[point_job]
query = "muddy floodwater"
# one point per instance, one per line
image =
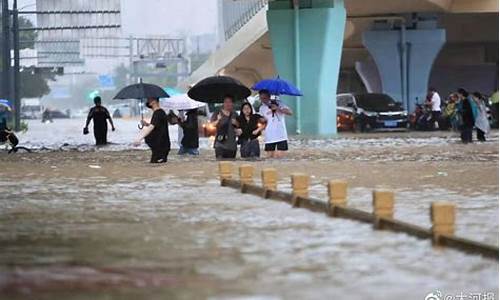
(79, 222)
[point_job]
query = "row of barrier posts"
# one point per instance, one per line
(442, 214)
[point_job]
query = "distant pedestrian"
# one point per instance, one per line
(100, 115)
(190, 139)
(47, 116)
(251, 126)
(155, 133)
(494, 108)
(275, 135)
(466, 109)
(226, 123)
(481, 121)
(450, 112)
(434, 101)
(117, 114)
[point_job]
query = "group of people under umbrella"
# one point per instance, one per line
(231, 129)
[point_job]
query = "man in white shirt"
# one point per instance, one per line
(275, 134)
(434, 100)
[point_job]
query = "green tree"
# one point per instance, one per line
(32, 85)
(26, 38)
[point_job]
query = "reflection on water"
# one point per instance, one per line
(97, 238)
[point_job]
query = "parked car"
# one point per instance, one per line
(57, 114)
(363, 112)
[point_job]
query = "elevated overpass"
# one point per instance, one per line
(447, 43)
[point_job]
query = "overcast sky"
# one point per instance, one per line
(165, 17)
(143, 17)
(172, 18)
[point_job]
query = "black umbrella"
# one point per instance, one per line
(141, 91)
(213, 89)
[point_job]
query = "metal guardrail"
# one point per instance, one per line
(237, 13)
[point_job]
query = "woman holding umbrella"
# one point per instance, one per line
(226, 123)
(155, 133)
(217, 89)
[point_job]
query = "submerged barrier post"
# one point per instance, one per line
(443, 220)
(337, 194)
(246, 176)
(442, 213)
(383, 206)
(269, 181)
(225, 171)
(300, 186)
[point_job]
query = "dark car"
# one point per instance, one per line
(57, 114)
(365, 112)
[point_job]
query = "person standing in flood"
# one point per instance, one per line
(100, 115)
(190, 139)
(155, 133)
(467, 112)
(275, 134)
(434, 101)
(225, 121)
(251, 128)
(481, 122)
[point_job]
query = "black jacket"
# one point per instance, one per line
(190, 129)
(247, 127)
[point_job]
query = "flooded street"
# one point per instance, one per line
(79, 222)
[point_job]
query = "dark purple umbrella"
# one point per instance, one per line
(214, 89)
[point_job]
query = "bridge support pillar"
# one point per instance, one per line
(404, 60)
(307, 38)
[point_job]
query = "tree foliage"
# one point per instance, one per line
(32, 85)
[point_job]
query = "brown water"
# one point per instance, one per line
(106, 225)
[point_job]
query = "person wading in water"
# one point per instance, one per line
(156, 133)
(227, 130)
(275, 134)
(100, 115)
(251, 126)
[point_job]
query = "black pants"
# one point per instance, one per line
(480, 135)
(159, 155)
(224, 153)
(101, 135)
(466, 134)
(435, 118)
(249, 148)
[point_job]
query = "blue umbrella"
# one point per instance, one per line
(277, 86)
(6, 103)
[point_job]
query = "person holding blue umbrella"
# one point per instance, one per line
(274, 112)
(275, 134)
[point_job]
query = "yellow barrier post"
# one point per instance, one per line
(225, 170)
(246, 175)
(443, 219)
(269, 180)
(300, 186)
(337, 194)
(383, 206)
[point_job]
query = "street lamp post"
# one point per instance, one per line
(6, 63)
(17, 90)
